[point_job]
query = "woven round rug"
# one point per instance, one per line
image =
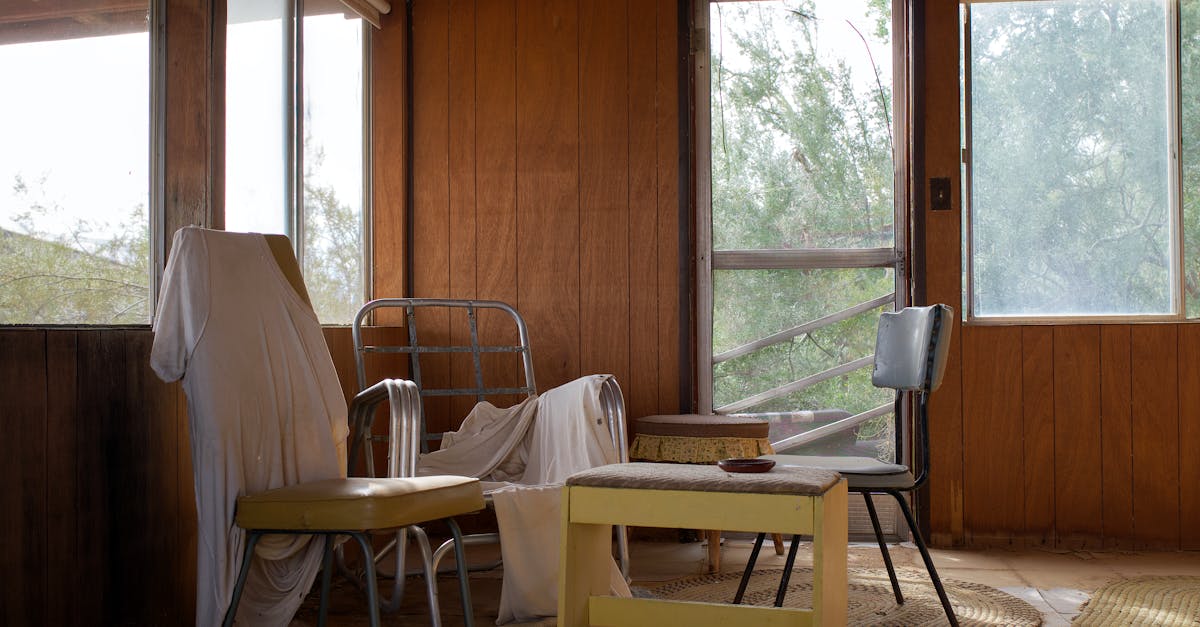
(870, 599)
(1164, 601)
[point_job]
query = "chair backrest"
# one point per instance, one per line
(911, 348)
(910, 356)
(415, 350)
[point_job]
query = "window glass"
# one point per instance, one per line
(74, 168)
(1070, 191)
(333, 164)
(255, 118)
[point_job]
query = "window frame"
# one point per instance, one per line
(1175, 190)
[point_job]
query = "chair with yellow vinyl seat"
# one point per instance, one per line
(356, 506)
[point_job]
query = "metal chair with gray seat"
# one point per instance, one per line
(911, 348)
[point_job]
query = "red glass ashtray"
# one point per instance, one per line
(746, 464)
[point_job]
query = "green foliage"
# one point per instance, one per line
(332, 249)
(75, 275)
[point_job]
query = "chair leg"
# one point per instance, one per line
(623, 550)
(326, 580)
(777, 539)
(364, 541)
(787, 571)
(758, 542)
(460, 565)
(887, 557)
(937, 582)
(431, 591)
(398, 580)
(231, 612)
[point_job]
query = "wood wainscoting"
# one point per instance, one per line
(97, 506)
(1075, 436)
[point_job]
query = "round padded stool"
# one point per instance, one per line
(701, 439)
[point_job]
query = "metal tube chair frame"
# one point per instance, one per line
(900, 479)
(612, 403)
(405, 411)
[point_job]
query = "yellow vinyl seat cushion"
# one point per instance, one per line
(359, 503)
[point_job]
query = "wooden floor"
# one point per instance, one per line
(1055, 582)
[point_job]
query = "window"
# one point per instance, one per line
(75, 164)
(1074, 196)
(294, 141)
(800, 241)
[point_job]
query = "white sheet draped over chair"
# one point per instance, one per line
(264, 406)
(529, 450)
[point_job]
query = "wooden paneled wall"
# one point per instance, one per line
(1072, 436)
(546, 175)
(97, 507)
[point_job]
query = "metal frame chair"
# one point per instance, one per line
(611, 400)
(911, 350)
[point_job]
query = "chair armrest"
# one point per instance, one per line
(404, 425)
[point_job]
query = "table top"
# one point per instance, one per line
(792, 480)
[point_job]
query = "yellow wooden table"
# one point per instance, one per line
(789, 500)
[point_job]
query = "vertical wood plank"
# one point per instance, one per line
(641, 390)
(101, 403)
(341, 351)
(1189, 435)
(1037, 401)
(431, 222)
(1077, 449)
(993, 482)
(389, 145)
(548, 184)
(943, 268)
(23, 463)
(1116, 435)
(63, 577)
(149, 490)
(496, 176)
(190, 128)
(670, 275)
(1154, 362)
(604, 188)
(463, 242)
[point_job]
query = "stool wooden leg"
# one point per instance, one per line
(777, 538)
(583, 566)
(714, 550)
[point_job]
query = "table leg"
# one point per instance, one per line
(830, 534)
(586, 551)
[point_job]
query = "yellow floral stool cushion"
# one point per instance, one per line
(698, 439)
